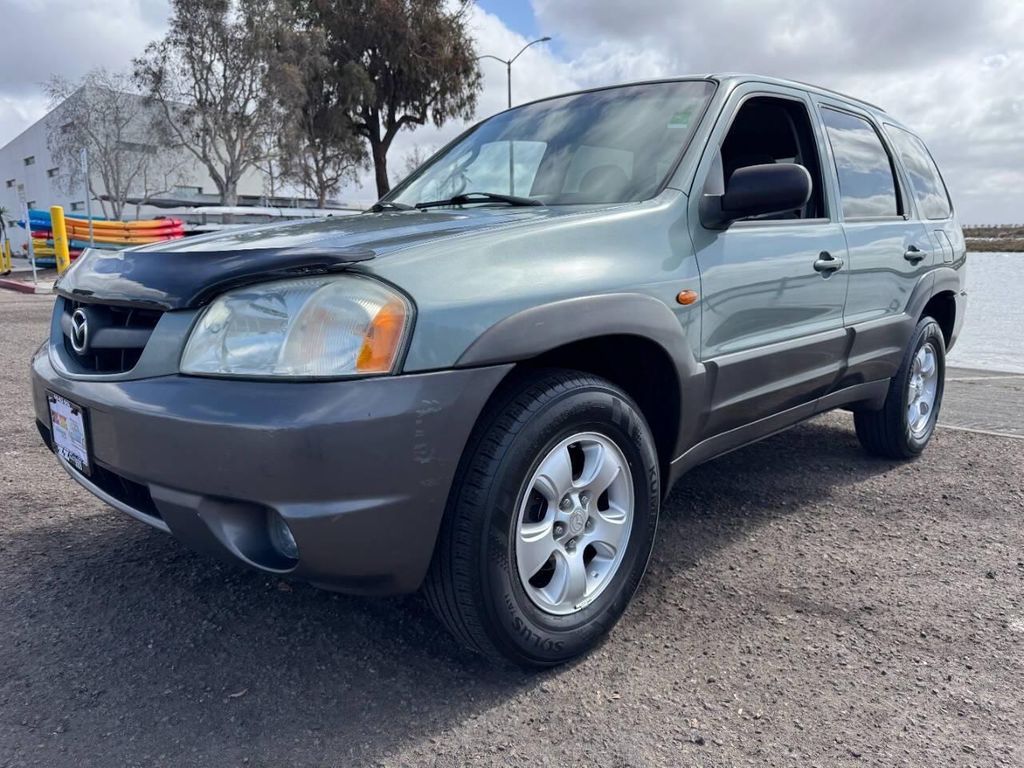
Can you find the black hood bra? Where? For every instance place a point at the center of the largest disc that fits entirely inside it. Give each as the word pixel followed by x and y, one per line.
pixel 185 279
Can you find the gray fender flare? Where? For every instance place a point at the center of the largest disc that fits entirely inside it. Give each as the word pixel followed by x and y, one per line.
pixel 534 331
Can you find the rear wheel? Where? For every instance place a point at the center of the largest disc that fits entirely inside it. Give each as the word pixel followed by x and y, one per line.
pixel 551 522
pixel 903 426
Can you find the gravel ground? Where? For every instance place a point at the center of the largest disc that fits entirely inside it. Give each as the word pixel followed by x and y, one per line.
pixel 806 605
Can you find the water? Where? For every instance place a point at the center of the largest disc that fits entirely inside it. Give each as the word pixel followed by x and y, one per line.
pixel 993 333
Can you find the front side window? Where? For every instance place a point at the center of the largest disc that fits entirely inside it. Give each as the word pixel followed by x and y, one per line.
pixel 766 131
pixel 866 182
pixel 925 181
pixel 609 146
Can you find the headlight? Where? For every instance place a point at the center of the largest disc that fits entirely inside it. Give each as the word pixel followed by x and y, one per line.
pixel 306 327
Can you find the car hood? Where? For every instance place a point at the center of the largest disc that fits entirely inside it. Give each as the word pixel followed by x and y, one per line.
pixel 188 272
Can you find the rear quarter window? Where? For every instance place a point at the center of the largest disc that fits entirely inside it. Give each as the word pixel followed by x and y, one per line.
pixel 925 182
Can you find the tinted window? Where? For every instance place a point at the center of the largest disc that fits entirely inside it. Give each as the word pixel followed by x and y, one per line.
pixel 866 183
pixel 610 145
pixel 929 191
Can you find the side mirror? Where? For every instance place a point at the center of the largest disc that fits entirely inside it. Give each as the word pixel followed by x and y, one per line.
pixel 757 190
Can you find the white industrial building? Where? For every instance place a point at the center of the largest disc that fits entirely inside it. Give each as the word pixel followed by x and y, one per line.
pixel 29 176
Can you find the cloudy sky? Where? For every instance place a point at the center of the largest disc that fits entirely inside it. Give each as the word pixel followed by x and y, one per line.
pixel 952 70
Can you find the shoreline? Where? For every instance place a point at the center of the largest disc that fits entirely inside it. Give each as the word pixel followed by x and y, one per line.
pixel 1006 238
pixel 994 246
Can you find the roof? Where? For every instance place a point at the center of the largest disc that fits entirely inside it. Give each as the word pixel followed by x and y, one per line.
pixel 735 78
pixel 729 79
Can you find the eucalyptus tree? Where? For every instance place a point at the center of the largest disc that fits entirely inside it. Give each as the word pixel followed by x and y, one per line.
pixel 396 64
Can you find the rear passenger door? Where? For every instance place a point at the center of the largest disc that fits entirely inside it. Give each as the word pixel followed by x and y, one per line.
pixel 888 250
pixel 934 208
pixel 772 288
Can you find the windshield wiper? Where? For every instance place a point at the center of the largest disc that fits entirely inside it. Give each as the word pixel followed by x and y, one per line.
pixel 479 197
pixel 387 205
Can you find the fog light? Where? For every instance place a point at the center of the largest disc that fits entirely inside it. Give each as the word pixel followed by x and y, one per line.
pixel 281 536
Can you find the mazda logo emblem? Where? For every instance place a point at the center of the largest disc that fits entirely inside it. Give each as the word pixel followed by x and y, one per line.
pixel 80 331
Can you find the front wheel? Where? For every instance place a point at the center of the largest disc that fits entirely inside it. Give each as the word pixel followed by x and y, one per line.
pixel 551 522
pixel 904 425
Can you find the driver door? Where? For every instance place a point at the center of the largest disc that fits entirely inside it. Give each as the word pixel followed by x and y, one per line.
pixel 772 288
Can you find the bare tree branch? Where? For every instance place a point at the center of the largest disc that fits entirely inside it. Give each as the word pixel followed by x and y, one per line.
pixel 209 75
pixel 128 141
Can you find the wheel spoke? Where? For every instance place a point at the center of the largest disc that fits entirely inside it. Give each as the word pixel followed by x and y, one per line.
pixel 535 547
pixel 571 576
pixel 554 476
pixel 600 469
pixel 609 528
pixel 914 414
pixel 928 364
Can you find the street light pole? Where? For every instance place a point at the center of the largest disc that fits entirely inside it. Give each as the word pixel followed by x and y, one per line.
pixel 509 62
pixel 508 73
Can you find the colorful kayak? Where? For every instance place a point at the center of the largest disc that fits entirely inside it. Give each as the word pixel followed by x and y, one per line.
pixel 113 239
pixel 81 244
pixel 170 226
pixel 42 219
pixel 84 230
pixel 123 239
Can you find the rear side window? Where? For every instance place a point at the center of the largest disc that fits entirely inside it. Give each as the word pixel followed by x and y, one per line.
pixel 925 181
pixel 866 182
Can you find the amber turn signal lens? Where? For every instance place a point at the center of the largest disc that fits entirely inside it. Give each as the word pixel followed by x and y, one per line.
pixel 380 344
pixel 687 297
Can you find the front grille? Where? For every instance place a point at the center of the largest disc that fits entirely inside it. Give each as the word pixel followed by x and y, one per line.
pixel 114 339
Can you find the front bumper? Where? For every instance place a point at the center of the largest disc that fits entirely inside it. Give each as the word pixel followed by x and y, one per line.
pixel 360 470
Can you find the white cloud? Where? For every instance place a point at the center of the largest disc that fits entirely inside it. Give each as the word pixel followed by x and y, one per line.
pixel 70 37
pixel 67 38
pixel 18 112
pixel 953 71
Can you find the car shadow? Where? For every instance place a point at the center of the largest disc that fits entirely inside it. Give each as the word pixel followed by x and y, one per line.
pixel 133 647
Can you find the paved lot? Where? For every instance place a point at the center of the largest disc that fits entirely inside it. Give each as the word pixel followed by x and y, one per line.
pixel 806 605
pixel 985 400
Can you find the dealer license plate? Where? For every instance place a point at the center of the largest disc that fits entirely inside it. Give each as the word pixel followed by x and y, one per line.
pixel 67 422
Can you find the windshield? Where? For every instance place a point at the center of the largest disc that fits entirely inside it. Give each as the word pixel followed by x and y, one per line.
pixel 614 145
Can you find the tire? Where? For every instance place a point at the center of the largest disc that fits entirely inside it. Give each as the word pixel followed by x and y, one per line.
pixel 474 584
pixel 891 432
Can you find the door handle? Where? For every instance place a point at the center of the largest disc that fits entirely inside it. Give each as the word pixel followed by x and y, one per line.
pixel 826 263
pixel 914 254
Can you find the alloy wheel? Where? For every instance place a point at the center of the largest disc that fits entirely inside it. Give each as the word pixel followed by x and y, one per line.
pixel 574 523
